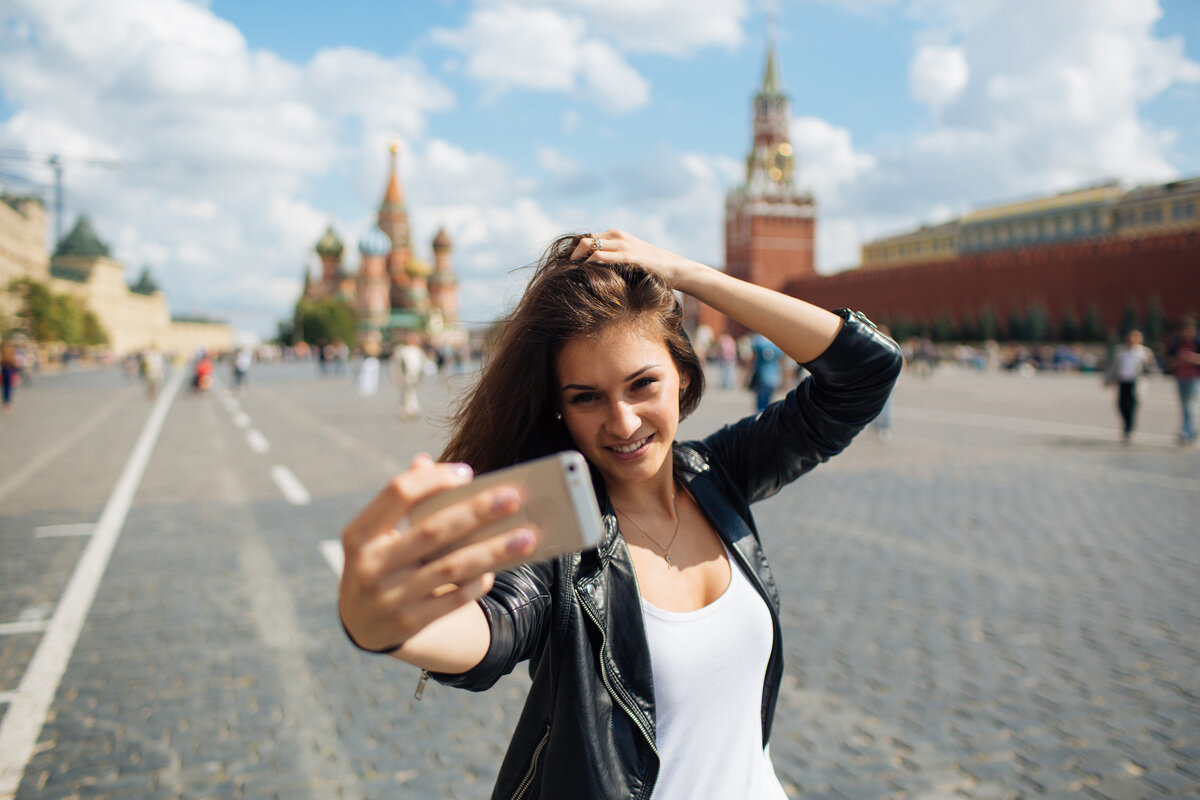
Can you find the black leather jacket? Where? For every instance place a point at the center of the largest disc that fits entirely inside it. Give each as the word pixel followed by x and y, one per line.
pixel 587 728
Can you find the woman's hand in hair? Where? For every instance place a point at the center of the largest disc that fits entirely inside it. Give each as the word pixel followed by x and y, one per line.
pixel 619 247
pixel 390 591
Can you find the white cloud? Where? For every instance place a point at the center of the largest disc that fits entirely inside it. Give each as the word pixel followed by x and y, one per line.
pixel 508 45
pixel 937 75
pixel 671 27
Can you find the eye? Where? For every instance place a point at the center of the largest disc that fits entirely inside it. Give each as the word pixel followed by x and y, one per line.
pixel 584 397
pixel 642 383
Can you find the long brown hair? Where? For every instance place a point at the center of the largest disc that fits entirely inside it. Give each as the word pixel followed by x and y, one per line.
pixel 509 415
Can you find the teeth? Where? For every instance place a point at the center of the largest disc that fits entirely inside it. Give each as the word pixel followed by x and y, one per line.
pixel 629 448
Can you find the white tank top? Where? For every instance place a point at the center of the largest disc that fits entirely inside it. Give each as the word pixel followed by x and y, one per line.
pixel 709 666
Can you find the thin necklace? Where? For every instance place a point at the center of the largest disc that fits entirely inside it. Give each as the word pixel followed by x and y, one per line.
pixel 666 550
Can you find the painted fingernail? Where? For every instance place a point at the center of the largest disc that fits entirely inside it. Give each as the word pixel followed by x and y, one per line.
pixel 504 499
pixel 521 541
pixel 462 470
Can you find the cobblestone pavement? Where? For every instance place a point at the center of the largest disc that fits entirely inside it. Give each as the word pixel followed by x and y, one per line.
pixel 1000 601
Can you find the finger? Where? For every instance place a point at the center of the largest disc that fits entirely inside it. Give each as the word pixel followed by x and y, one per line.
pixel 401 494
pixel 466 564
pixel 582 250
pixel 447 526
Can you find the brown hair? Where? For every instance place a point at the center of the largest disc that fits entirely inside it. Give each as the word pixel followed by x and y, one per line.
pixel 509 415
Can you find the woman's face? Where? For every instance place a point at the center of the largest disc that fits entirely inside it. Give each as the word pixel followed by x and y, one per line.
pixel 619 394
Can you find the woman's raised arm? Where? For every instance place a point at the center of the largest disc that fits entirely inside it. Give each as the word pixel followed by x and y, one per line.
pixel 803 331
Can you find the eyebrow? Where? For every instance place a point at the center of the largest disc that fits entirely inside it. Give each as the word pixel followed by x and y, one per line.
pixel 631 376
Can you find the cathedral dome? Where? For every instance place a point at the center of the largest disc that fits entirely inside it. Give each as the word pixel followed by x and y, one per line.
pixel 442 240
pixel 418 268
pixel 375 243
pixel 330 244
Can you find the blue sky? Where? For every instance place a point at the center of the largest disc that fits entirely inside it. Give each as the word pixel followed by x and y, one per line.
pixel 245 128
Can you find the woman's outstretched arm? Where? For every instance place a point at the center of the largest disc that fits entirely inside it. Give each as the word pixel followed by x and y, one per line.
pixel 803 331
pixel 393 599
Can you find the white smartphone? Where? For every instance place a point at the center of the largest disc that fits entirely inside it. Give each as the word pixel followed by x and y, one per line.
pixel 558 504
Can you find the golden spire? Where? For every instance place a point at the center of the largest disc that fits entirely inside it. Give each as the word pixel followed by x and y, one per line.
pixel 393 195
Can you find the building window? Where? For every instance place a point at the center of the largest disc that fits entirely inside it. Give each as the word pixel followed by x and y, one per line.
pixel 1183 209
pixel 1152 214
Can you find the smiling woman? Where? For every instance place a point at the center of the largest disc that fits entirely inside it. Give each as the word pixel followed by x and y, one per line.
pixel 656 658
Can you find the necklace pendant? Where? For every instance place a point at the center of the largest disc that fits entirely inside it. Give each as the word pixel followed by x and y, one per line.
pixel 669 562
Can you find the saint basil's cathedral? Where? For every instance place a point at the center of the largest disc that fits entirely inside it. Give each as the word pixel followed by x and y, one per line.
pixel 393 291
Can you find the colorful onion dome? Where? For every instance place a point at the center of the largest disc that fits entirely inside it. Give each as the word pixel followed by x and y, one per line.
pixel 375 243
pixel 442 240
pixel 330 244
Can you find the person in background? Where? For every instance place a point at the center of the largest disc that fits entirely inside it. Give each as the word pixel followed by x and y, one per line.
pixel 766 371
pixel 1183 359
pixel 1129 363
pixel 727 357
pixel 408 368
pixel 11 362
pixel 368 373
pixel 151 368
pixel 242 360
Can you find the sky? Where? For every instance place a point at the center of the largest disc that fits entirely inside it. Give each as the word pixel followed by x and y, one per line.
pixel 213 142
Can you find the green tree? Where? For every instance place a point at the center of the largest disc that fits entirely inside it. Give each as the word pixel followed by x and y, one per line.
pixel 1068 327
pixel 902 328
pixel 1016 324
pixel 1129 317
pixel 943 328
pixel 1155 325
pixel 50 317
pixel 987 324
pixel 329 320
pixel 1093 325
pixel 1037 323
pixel 968 327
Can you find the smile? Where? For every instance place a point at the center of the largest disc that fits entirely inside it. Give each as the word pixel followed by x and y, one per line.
pixel 631 448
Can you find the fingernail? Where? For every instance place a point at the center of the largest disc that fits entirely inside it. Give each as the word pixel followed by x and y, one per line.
pixel 521 541
pixel 505 499
pixel 462 470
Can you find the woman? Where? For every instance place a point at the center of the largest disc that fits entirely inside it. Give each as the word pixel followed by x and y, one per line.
pixel 656 658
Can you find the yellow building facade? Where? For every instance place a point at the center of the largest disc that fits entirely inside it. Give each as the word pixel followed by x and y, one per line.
pixel 82 268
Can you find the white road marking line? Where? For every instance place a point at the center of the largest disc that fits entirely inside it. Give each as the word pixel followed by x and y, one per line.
pixel 258 443
pixel 57 531
pixel 31 626
pixel 1022 425
pixel 23 721
pixel 290 485
pixel 66 443
pixel 334 556
pixel 241 419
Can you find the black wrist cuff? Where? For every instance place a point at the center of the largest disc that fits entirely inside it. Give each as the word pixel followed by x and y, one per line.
pixel 386 651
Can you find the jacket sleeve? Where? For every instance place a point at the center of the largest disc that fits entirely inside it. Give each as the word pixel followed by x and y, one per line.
pixel 518 615
pixel 847 388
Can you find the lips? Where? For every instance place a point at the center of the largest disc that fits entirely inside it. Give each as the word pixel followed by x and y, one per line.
pixel 632 449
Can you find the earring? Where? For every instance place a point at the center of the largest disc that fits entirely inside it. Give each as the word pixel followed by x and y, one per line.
pixel 558 415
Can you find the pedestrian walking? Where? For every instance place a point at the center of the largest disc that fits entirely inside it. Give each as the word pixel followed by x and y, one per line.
pixel 656 659
pixel 766 371
pixel 368 373
pixel 408 368
pixel 11 363
pixel 882 424
pixel 727 357
pixel 1183 359
pixel 243 359
pixel 1129 363
pixel 151 368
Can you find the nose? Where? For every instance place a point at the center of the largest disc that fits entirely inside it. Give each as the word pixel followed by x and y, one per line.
pixel 622 421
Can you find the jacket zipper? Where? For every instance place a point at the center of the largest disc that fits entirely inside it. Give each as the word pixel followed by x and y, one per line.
pixel 608 685
pixel 528 779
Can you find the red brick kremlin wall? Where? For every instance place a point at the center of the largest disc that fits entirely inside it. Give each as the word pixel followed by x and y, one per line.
pixel 1106 273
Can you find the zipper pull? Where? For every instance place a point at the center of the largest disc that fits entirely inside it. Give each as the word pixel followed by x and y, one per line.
pixel 421 685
